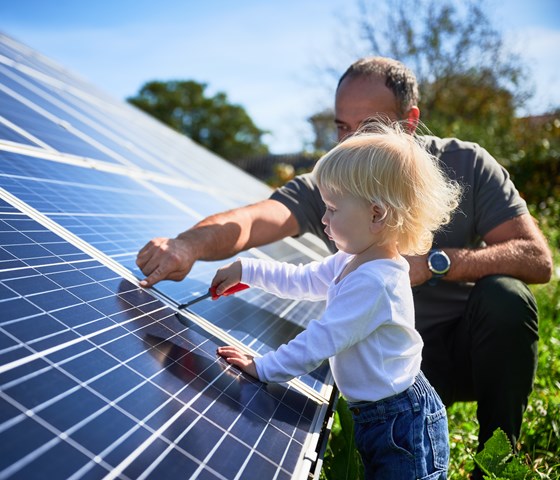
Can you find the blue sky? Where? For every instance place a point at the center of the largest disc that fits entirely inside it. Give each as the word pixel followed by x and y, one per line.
pixel 263 54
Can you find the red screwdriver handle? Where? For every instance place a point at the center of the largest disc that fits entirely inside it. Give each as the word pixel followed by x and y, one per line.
pixel 230 291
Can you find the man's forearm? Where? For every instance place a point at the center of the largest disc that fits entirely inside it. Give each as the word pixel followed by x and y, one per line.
pixel 522 259
pixel 214 238
pixel 217 237
pixel 226 234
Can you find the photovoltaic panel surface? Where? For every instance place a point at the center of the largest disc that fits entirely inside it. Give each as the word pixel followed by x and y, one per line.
pixel 97 371
pixel 98 377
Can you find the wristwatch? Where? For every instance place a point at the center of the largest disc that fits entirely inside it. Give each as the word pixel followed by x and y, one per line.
pixel 438 264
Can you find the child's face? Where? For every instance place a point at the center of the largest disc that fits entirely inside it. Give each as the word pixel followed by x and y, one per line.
pixel 347 221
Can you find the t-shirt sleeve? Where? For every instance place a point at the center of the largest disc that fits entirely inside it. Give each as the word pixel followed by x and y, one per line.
pixel 489 197
pixel 497 199
pixel 303 199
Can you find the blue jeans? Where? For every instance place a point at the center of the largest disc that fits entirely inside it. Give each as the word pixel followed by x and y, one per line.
pixel 404 436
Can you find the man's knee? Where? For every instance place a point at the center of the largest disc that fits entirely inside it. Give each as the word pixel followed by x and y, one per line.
pixel 504 303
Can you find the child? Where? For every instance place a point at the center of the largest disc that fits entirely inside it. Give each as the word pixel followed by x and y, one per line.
pixel 384 197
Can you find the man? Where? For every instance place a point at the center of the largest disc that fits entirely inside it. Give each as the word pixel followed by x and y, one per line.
pixel 474 310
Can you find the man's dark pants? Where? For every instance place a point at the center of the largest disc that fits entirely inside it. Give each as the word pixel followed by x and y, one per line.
pixel 488 356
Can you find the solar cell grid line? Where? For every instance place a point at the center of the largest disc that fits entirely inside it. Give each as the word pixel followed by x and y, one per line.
pixel 65 436
pixel 130 136
pixel 203 412
pixel 98 377
pixel 15 134
pixel 106 122
pixel 88 181
pixel 41 201
pixel 23 155
pixel 60 196
pixel 50 130
pixel 103 247
pixel 99 239
pixel 257 319
pixel 204 416
pixel 110 146
pixel 58 103
pixel 26 76
pixel 67 109
pixel 264 331
pixel 16 52
pixel 41 253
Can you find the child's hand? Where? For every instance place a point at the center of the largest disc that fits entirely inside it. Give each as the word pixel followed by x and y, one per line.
pixel 227 277
pixel 236 357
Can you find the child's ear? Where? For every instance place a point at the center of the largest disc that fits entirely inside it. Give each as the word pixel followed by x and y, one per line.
pixel 377 213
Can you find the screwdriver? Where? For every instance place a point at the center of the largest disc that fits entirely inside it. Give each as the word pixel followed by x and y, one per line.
pixel 212 293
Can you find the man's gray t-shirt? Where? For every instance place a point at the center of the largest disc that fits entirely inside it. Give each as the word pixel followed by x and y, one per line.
pixel 489 199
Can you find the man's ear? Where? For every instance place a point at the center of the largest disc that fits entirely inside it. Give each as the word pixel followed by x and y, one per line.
pixel 412 119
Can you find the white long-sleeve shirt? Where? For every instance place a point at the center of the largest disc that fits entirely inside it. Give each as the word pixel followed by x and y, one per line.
pixel 367 330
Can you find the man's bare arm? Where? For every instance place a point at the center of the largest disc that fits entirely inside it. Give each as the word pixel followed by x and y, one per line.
pixel 216 237
pixel 516 248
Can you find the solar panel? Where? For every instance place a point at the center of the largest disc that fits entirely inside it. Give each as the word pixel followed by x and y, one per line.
pixel 100 378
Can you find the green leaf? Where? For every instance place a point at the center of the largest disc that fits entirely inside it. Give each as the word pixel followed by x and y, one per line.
pixel 497 450
pixel 342 460
pixel 497 461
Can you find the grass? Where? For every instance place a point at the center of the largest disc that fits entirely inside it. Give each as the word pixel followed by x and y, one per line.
pixel 539 443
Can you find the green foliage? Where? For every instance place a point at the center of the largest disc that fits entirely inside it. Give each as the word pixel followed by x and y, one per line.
pixel 463 439
pixel 497 461
pixel 477 96
pixel 539 443
pixel 540 432
pixel 342 460
pixel 444 43
pixel 534 163
pixel 213 122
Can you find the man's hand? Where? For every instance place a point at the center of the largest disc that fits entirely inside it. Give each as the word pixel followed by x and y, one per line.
pixel 217 237
pixel 236 357
pixel 165 259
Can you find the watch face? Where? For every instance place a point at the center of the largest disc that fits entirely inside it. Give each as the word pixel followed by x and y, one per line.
pixel 439 263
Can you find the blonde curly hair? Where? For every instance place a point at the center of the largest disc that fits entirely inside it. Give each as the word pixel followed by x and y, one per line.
pixel 389 167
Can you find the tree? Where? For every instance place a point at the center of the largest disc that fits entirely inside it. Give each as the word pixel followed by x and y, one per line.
pixel 535 163
pixel 472 106
pixel 442 40
pixel 213 122
pixel 470 84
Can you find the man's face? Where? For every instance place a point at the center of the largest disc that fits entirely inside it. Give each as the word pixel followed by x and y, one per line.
pixel 358 99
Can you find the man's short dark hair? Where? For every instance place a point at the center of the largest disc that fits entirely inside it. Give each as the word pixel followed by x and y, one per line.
pixel 398 78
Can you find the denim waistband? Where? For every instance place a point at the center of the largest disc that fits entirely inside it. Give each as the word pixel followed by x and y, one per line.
pixel 401 402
